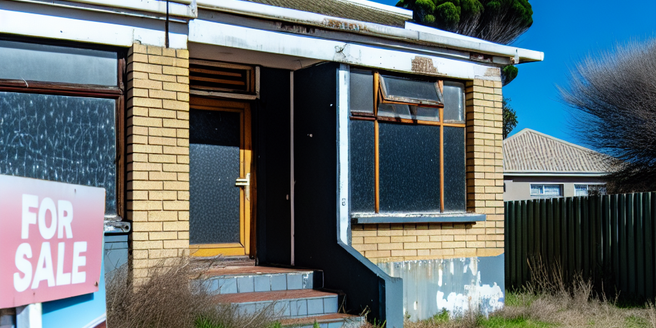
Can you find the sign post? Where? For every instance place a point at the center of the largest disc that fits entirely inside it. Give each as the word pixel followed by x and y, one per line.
pixel 51 243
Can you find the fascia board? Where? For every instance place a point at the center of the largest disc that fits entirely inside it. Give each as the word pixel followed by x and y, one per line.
pixel 448 40
pixel 227 35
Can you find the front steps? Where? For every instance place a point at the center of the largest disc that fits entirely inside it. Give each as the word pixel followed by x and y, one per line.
pixel 293 295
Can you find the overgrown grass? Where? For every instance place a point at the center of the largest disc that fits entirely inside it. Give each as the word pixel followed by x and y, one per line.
pixel 169 298
pixel 548 302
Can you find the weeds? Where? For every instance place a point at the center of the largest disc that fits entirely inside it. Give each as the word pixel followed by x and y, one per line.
pixel 550 302
pixel 169 298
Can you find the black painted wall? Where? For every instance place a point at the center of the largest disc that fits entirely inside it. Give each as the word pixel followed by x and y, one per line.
pixel 316 202
pixel 271 126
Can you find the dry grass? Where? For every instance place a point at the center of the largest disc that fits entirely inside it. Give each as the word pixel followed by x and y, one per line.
pixel 549 302
pixel 169 298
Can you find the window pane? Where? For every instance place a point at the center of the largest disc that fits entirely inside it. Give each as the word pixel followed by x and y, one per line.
pixel 362 159
pixel 362 92
pixel 396 88
pixel 546 190
pixel 455 199
pixel 552 190
pixel 394 110
pixel 213 169
pixel 60 138
pixel 536 189
pixel 409 168
pixel 580 190
pixel 38 62
pixel 426 113
pixel 454 102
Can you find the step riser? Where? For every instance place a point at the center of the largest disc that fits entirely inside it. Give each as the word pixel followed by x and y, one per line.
pixel 294 308
pixel 260 283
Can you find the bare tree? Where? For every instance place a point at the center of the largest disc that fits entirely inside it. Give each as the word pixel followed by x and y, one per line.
pixel 613 100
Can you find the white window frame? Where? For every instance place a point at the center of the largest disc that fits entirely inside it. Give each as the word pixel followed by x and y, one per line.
pixel 542 191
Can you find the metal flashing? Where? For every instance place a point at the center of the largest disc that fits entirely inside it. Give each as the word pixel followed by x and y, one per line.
pixel 416 218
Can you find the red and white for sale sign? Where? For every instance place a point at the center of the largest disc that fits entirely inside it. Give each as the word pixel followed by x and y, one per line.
pixel 50 240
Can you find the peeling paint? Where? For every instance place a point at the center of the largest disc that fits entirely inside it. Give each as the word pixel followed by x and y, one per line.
pixel 493 71
pixel 423 65
pixel 457 285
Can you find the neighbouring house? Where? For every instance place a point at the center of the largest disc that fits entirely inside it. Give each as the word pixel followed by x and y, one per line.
pixel 536 165
pixel 342 147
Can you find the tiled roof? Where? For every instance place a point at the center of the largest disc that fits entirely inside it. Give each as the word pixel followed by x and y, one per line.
pixel 343 9
pixel 532 151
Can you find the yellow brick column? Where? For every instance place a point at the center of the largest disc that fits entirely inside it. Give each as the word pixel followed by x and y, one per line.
pixel 485 161
pixel 157 129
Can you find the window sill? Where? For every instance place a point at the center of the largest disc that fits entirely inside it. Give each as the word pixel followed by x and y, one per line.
pixel 362 218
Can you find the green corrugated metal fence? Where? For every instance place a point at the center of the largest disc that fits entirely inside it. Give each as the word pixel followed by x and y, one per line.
pixel 608 240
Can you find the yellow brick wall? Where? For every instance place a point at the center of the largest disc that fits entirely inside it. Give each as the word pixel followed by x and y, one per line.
pixel 157 161
pixel 402 242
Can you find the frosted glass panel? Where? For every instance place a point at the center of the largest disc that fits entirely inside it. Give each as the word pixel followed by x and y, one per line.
pixel 394 110
pixel 214 168
pixel 455 199
pixel 38 62
pixel 362 92
pixel 454 102
pixel 400 89
pixel 60 138
pixel 362 166
pixel 409 168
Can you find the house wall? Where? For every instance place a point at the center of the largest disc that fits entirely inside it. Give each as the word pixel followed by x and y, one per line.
pixel 157 162
pixel 519 188
pixel 453 266
pixel 402 242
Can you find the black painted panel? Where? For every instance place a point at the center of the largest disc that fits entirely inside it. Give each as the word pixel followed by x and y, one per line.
pixel 409 168
pixel 214 167
pixel 271 144
pixel 315 224
pixel 455 193
pixel 362 159
pixel 60 138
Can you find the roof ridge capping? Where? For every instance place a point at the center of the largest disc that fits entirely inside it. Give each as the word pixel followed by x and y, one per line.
pixel 397 10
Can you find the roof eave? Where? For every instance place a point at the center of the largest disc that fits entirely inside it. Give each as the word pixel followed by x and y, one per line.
pixel 353 26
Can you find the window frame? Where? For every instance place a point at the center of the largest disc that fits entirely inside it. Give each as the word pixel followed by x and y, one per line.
pixel 368 217
pixel 92 91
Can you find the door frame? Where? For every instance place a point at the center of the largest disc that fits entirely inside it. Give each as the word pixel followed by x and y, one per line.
pixel 246 246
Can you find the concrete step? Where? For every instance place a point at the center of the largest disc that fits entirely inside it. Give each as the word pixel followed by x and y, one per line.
pixel 283 304
pixel 335 320
pixel 240 279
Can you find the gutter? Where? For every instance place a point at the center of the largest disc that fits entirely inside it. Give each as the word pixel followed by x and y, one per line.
pixel 184 9
pixel 446 40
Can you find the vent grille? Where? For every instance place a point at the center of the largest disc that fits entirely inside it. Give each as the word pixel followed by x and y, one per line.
pixel 220 77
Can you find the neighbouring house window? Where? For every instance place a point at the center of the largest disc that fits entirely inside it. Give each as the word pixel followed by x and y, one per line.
pixel 580 190
pixel 546 190
pixel 589 190
pixel 60 109
pixel 407 144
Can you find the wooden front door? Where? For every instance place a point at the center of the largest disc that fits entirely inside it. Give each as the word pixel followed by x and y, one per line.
pixel 220 177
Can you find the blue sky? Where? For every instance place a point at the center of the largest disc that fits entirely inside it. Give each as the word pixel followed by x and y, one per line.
pixel 567 32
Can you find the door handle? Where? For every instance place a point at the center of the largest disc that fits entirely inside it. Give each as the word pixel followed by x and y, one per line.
pixel 246 183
